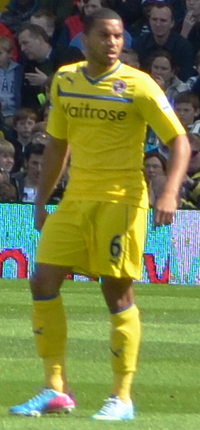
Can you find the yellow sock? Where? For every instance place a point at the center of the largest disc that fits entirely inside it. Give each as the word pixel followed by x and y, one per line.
pixel 49 327
pixel 125 342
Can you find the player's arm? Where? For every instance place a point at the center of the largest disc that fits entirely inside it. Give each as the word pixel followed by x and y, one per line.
pixel 55 158
pixel 167 203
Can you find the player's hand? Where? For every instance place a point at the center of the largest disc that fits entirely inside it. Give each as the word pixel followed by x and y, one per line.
pixel 36 79
pixel 165 208
pixel 40 217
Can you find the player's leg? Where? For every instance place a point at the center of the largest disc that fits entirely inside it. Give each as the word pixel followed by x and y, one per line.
pixel 60 248
pixel 125 333
pixel 49 323
pixel 49 328
pixel 120 247
pixel 124 347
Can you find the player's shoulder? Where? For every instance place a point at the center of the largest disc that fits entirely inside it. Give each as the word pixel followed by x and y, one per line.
pixel 135 73
pixel 70 68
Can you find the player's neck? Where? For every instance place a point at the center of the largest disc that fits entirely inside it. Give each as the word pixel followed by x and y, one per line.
pixel 93 70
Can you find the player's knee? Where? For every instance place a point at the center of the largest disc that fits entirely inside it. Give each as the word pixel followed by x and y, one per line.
pixel 39 283
pixel 36 284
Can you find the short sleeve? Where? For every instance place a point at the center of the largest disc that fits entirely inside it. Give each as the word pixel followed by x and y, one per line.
pixel 57 122
pixel 153 106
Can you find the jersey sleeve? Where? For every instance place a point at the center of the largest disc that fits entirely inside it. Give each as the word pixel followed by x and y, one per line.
pixel 57 122
pixel 155 109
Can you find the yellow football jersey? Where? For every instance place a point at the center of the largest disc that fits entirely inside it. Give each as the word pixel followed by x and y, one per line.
pixel 104 120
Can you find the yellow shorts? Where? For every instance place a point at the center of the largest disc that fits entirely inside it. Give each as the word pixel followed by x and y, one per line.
pixel 95 238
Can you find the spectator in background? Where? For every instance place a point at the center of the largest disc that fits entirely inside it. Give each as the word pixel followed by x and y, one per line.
pixel 57 33
pixel 155 173
pixel 26 182
pixel 194 81
pixel 190 27
pixel 89 6
pixel 4 131
pixel 10 81
pixel 186 106
pixel 7 154
pixel 163 70
pixel 128 10
pixel 141 25
pixel 41 61
pixel 4 31
pixel 163 36
pixel 130 57
pixel 7 191
pixel 62 9
pixel 23 123
pixel 190 191
pixel 18 13
pixel 74 23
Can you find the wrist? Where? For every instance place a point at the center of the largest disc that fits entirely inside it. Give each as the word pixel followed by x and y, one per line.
pixel 39 203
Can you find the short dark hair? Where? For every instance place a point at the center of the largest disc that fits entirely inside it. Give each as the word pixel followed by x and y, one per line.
pixel 160 157
pixel 35 31
pixel 103 13
pixel 187 97
pixel 40 13
pixel 162 53
pixel 24 113
pixel 36 149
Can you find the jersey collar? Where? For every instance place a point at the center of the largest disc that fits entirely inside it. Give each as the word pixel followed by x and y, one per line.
pixel 109 72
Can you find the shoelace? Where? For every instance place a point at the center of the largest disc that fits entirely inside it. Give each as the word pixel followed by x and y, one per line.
pixel 109 406
pixel 35 399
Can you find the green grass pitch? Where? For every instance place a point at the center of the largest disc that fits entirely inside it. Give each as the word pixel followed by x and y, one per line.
pixel 166 387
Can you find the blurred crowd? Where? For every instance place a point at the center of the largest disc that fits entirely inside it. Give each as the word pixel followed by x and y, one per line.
pixel 161 38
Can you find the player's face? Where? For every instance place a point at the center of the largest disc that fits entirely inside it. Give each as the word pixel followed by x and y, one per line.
pixel 161 21
pixel 162 67
pixel 104 43
pixel 186 113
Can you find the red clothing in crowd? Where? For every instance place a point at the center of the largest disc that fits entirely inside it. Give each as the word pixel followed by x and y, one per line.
pixel 4 31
